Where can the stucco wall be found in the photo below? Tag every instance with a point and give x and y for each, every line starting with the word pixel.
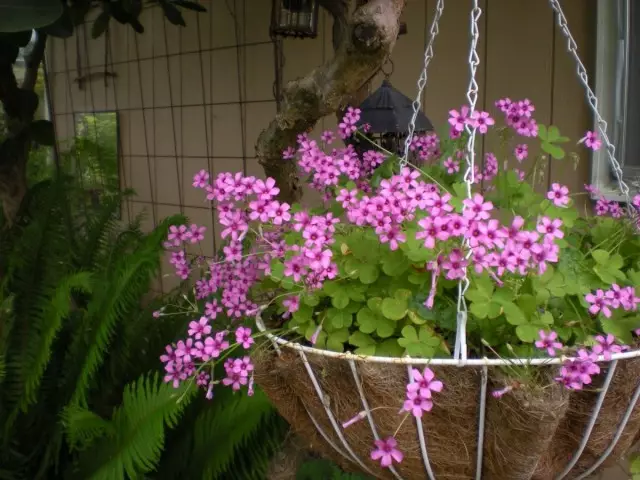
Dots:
pixel 197 97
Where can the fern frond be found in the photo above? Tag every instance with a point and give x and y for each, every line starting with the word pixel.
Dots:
pixel 35 359
pixel 83 426
pixel 148 408
pixel 126 282
pixel 220 433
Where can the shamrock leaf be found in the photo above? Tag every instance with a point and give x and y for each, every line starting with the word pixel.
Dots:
pixel 419 342
pixel 395 263
pixel 340 298
pixel 366 345
pixel 389 348
pixel 369 273
pixel 394 309
pixel 339 318
pixel 513 314
pixel 337 339
pixel 369 322
pixel 527 333
pixel 310 299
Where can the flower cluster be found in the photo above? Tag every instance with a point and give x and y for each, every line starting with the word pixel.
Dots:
pixel 427 236
pixel 519 116
pixel 419 392
pixel 616 297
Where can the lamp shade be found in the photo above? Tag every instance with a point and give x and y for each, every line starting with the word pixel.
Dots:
pixel 389 111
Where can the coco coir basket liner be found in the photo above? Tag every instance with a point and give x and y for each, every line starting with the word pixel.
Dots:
pixel 527 434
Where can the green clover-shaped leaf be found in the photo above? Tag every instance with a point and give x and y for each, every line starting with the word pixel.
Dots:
pixel 395 263
pixel 394 309
pixel 337 339
pixel 528 332
pixel 340 298
pixel 419 341
pixel 339 318
pixel 369 273
pixel 389 348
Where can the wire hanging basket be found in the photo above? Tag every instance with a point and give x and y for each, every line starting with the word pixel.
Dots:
pixel 551 433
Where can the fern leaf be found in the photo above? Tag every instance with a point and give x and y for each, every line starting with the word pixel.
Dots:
pixel 83 426
pixel 109 306
pixel 36 359
pixel 148 408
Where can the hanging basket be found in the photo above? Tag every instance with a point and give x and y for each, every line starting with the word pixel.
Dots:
pixel 543 434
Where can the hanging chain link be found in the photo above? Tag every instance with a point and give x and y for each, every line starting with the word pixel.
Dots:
pixel 422 81
pixel 460 350
pixel 572 48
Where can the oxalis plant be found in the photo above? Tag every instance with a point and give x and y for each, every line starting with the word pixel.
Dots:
pixel 375 269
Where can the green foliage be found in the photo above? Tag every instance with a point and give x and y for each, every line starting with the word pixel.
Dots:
pixel 325 470
pixel 78 349
pixel 377 303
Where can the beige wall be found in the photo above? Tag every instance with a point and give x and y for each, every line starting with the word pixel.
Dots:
pixel 197 97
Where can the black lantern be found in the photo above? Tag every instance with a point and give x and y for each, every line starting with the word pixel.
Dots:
pixel 387 114
pixel 294 18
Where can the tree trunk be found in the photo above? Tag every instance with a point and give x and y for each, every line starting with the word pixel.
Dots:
pixel 370 37
pixel 20 105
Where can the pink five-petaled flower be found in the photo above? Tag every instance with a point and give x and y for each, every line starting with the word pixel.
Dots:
pixel 481 121
pixel 199 328
pixel 591 141
pixel 550 228
pixel 201 179
pixel 548 342
pixel 559 195
pixel 458 120
pixel 451 165
pixel 416 404
pixel 387 452
pixel 266 190
pixel 243 337
pixel 424 383
pixel 521 151
pixel 599 303
pixel 289 153
pixel 476 208
pixel 328 137
pixel 606 346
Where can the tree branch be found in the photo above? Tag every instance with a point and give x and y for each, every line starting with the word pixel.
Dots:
pixel 371 36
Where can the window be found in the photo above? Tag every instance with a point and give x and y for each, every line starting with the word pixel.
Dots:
pixel 617 85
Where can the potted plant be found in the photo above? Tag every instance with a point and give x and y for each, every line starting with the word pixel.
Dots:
pixel 351 308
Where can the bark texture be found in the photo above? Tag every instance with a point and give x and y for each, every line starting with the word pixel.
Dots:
pixel 20 105
pixel 370 37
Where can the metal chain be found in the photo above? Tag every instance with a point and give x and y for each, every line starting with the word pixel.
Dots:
pixel 572 48
pixel 460 351
pixel 422 81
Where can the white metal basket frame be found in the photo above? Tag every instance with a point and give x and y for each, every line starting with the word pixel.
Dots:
pixel 460 352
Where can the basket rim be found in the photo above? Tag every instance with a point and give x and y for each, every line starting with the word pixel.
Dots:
pixel 407 360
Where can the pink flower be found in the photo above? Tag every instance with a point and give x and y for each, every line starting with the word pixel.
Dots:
pixel 243 337
pixel 199 328
pixel 289 153
pixel 416 404
pixel 387 452
pixel 201 179
pixel 292 304
pixel 550 228
pixel 591 140
pixel 424 383
pixel 328 137
pixel 521 151
pixel 476 208
pixel 266 190
pixel 599 303
pixel 458 120
pixel 451 166
pixel 559 194
pixel 481 120
pixel 606 346
pixel 548 342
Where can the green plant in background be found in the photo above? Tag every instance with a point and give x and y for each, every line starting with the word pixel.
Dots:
pixel 78 350
pixel 320 469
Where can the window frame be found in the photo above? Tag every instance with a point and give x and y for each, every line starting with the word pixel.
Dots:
pixel 611 84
